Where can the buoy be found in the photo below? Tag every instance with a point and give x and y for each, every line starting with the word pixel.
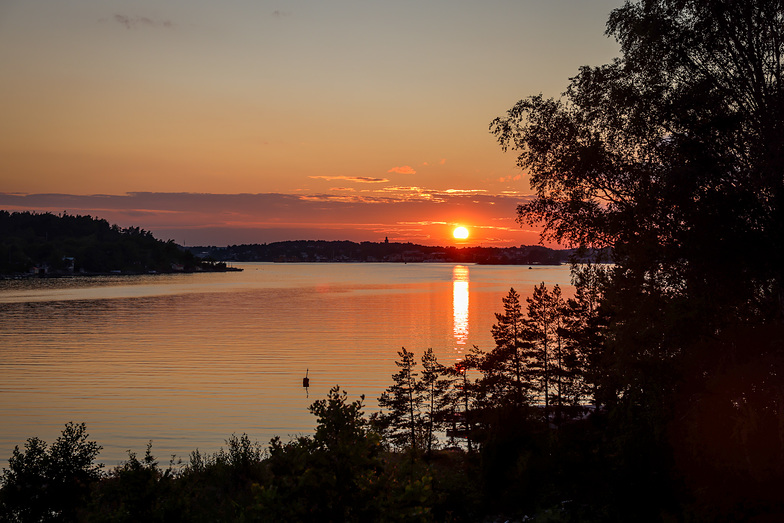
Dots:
pixel 305 380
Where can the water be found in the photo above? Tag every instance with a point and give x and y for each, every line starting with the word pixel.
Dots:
pixel 186 360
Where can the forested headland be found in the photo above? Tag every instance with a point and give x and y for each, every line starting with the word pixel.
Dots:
pixel 310 251
pixel 655 394
pixel 47 244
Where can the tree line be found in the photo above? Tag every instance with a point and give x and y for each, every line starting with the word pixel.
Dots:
pixel 541 369
pixel 67 244
pixel 348 251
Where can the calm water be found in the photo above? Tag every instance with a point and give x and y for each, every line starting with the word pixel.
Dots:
pixel 186 360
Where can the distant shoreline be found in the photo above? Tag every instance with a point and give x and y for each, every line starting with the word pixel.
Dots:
pixel 61 275
pixel 322 251
pixel 30 276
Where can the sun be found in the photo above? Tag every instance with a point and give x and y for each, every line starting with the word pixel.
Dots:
pixel 460 233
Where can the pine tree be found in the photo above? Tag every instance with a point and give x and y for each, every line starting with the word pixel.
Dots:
pixel 506 370
pixel 404 401
pixel 584 330
pixel 544 315
pixel 433 385
pixel 466 396
pixel 557 370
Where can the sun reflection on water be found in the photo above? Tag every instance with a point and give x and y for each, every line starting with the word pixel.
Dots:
pixel 460 305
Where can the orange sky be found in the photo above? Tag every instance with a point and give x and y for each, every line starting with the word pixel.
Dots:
pixel 366 119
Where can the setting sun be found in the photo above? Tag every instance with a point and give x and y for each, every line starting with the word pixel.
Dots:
pixel 461 233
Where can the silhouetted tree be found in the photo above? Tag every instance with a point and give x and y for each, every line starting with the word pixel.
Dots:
pixel 331 476
pixel 434 385
pixel 135 490
pixel 583 330
pixel 404 400
pixel 467 397
pixel 543 330
pixel 50 484
pixel 506 368
pixel 672 156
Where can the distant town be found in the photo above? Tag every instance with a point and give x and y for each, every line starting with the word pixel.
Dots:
pixel 315 251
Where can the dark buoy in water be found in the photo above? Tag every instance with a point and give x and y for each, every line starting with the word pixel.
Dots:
pixel 306 380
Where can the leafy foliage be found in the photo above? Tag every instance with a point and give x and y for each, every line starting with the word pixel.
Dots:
pixel 434 384
pixel 507 367
pixel 50 483
pixel 404 399
pixel 136 490
pixel 672 156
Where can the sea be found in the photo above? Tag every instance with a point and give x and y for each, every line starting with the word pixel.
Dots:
pixel 186 360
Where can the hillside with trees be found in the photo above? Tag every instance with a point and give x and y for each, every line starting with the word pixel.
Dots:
pixel 310 251
pixel 49 244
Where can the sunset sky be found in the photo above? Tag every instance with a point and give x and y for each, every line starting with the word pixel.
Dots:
pixel 255 121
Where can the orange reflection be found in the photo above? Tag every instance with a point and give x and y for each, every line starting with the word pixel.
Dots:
pixel 460 303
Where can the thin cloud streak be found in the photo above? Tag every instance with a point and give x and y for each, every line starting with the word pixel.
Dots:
pixel 360 179
pixel 465 191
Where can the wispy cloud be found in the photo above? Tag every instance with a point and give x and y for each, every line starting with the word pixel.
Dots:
pixel 464 191
pixel 360 179
pixel 132 22
pixel 402 169
pixel 409 193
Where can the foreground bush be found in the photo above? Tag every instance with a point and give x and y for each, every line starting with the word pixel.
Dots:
pixel 50 483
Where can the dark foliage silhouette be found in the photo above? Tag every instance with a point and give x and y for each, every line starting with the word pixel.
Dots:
pixel 50 483
pixel 671 156
pixel 65 244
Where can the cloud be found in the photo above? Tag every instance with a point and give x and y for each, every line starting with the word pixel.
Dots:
pixel 403 169
pixel 402 188
pixel 360 179
pixel 132 22
pixel 464 191
pixel 409 193
pixel 280 14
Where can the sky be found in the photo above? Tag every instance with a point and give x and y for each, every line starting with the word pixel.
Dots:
pixel 252 121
